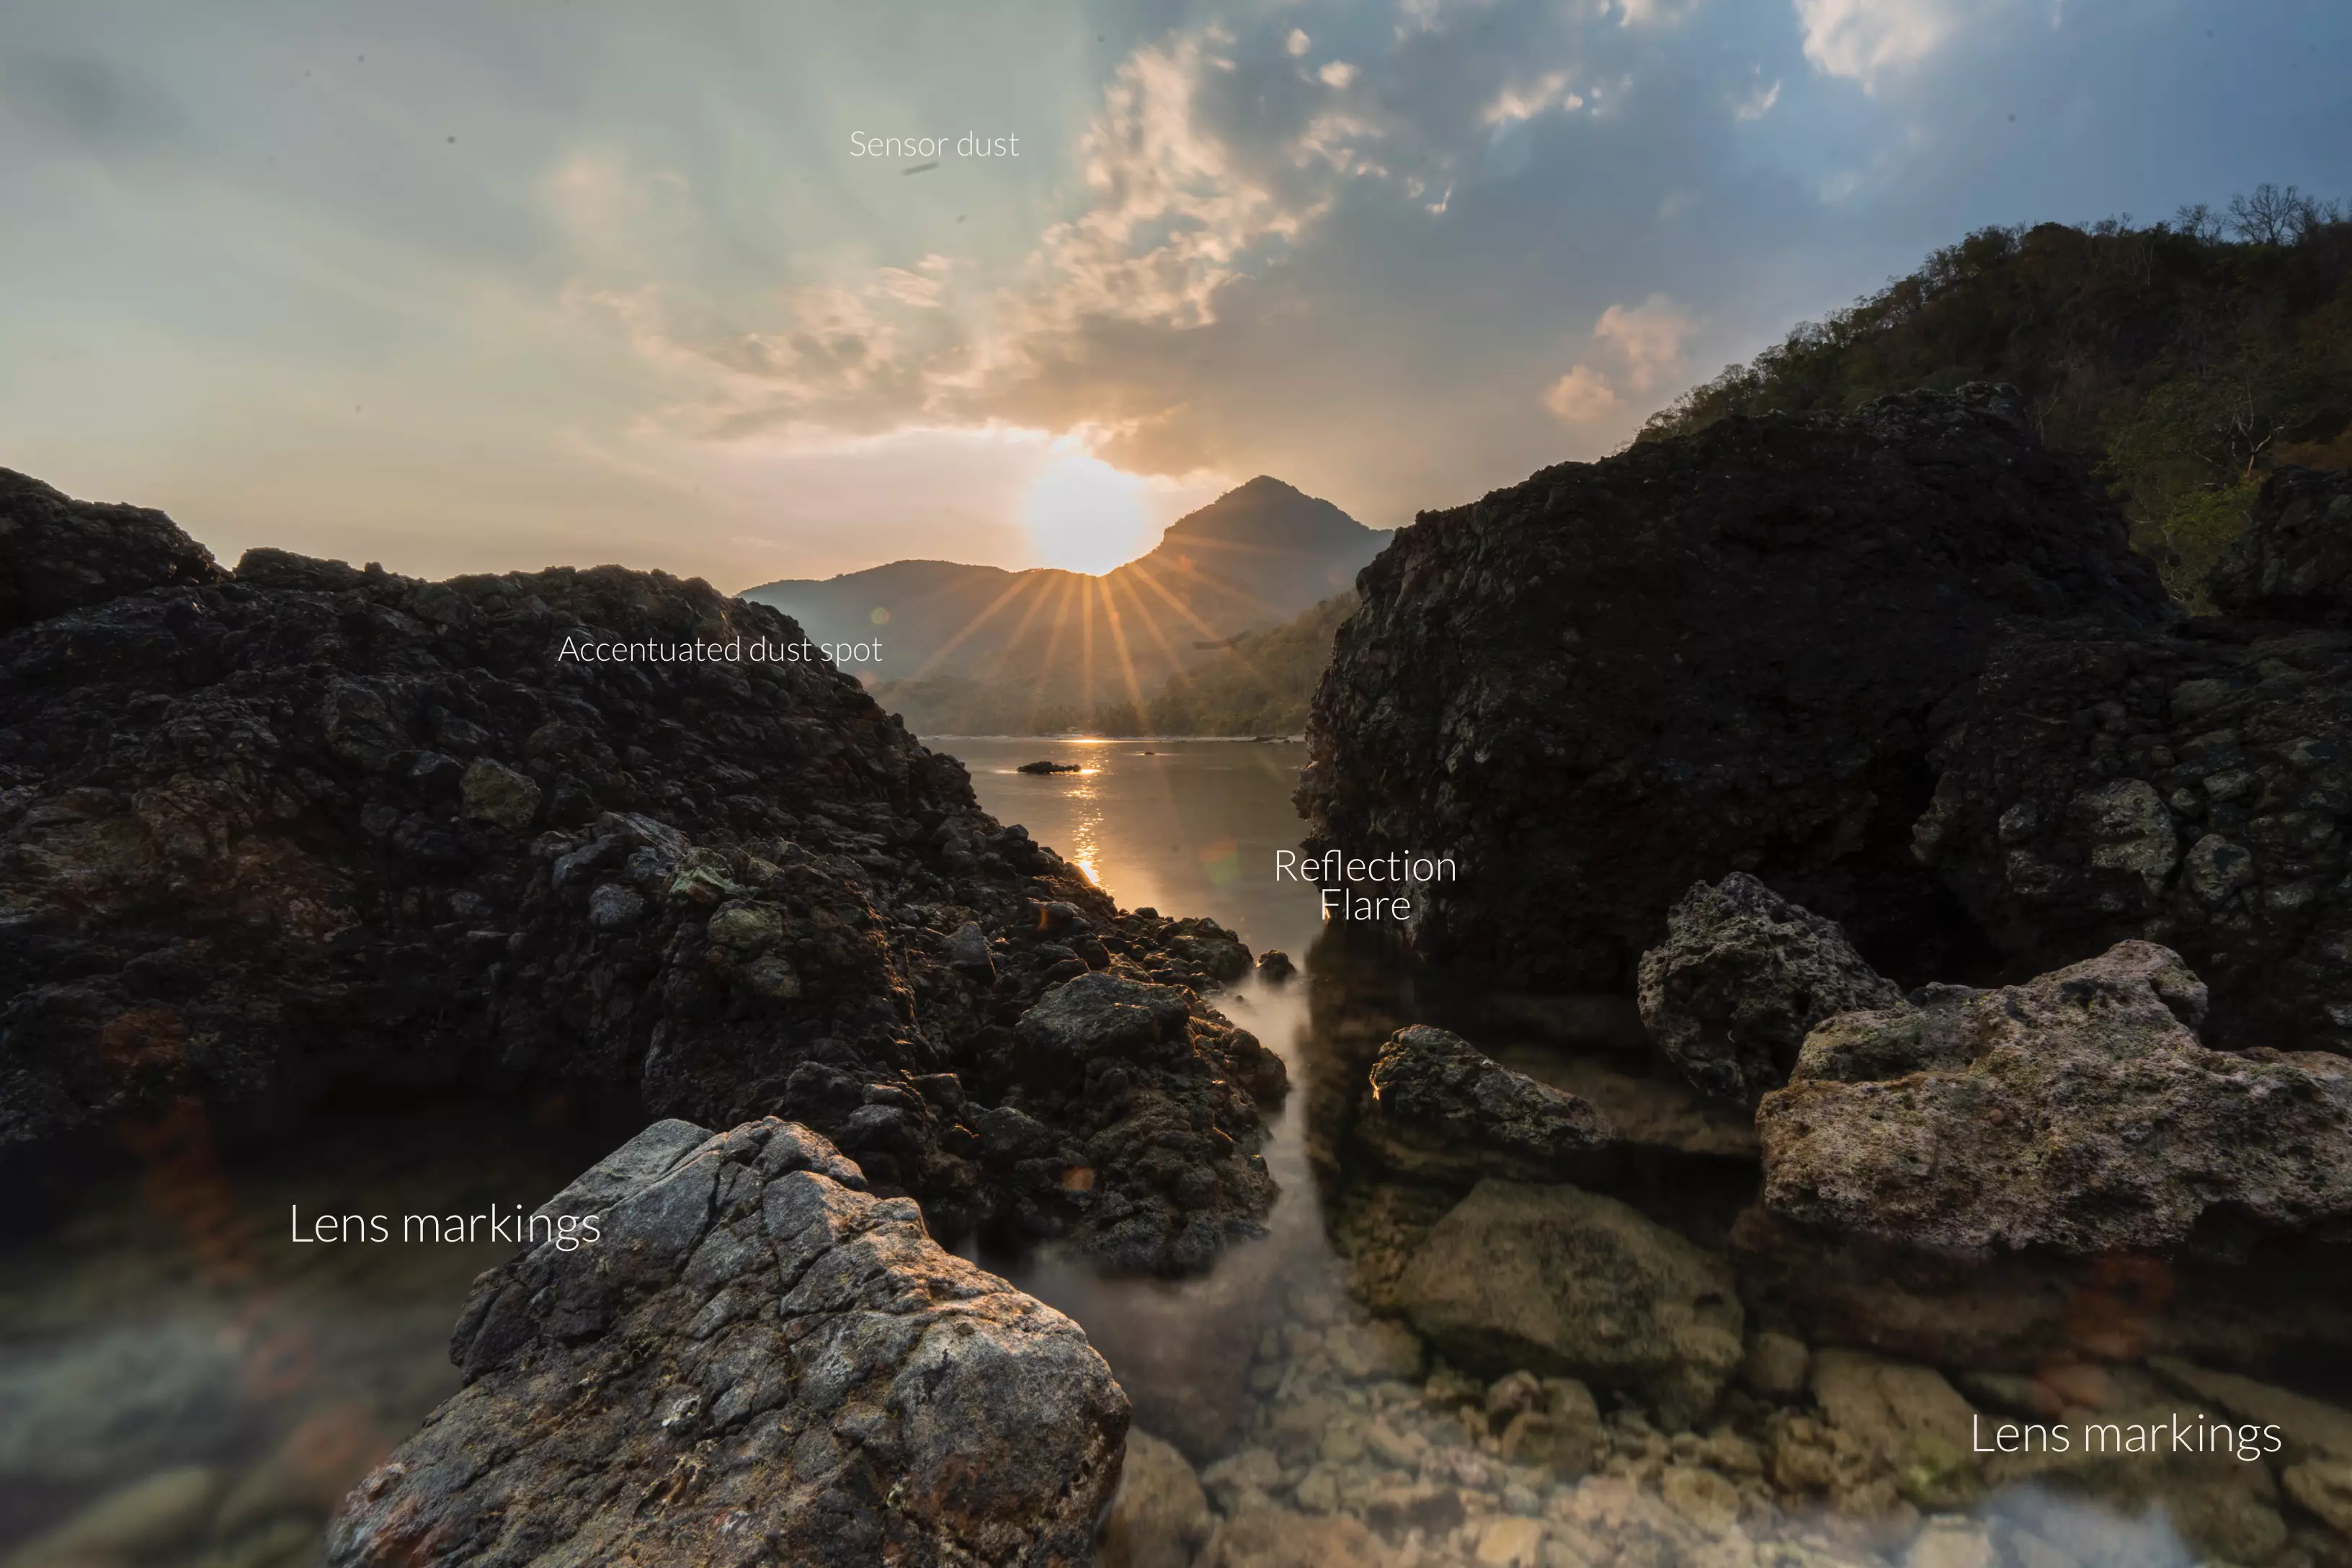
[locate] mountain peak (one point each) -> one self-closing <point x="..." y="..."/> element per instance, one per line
<point x="1268" y="514"/>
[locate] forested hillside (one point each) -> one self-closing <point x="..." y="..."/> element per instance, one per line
<point x="2183" y="358"/>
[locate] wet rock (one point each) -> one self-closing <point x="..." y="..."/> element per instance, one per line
<point x="1565" y="1281"/>
<point x="1776" y="1366"/>
<point x="2308" y="1427"/>
<point x="2022" y="1117"/>
<point x="1102" y="1014"/>
<point x="774" y="1356"/>
<point x="1952" y="1543"/>
<point x="1381" y="1350"/>
<point x="1274" y="966"/>
<point x="2294" y="562"/>
<point x="1440" y="1108"/>
<point x="1910" y="1422"/>
<point x="1264" y="1537"/>
<point x="2324" y="1486"/>
<point x="1707" y="1500"/>
<point x="2019" y="1311"/>
<point x="1704" y="654"/>
<point x="1160" y="1517"/>
<point x="1560" y="1431"/>
<point x="1511" y="1543"/>
<point x="266" y="834"/>
<point x="58" y="554"/>
<point x="162" y="1514"/>
<point x="2188" y="791"/>
<point x="1742" y="977"/>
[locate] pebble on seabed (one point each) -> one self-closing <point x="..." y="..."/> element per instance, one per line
<point x="1360" y="1459"/>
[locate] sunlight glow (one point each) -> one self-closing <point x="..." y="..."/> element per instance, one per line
<point x="1083" y="515"/>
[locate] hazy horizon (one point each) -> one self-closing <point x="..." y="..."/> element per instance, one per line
<point x="458" y="290"/>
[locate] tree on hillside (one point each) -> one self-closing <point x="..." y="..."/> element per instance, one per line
<point x="2182" y="358"/>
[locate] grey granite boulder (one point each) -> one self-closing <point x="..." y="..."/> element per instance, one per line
<point x="1742" y="977"/>
<point x="1440" y="1108"/>
<point x="755" y="1361"/>
<point x="2078" y="1111"/>
<point x="1554" y="1280"/>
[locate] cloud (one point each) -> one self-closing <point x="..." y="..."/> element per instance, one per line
<point x="1757" y="104"/>
<point x="648" y="241"/>
<point x="1526" y="100"/>
<point x="1649" y="337"/>
<point x="1868" y="40"/>
<point x="1582" y="397"/>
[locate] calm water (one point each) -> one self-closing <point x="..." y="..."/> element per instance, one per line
<point x="180" y="1385"/>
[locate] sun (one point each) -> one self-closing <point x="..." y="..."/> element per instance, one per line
<point x="1083" y="515"/>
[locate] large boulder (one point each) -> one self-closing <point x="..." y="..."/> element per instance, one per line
<point x="2294" y="560"/>
<point x="2079" y="1111"/>
<point x="753" y="1360"/>
<point x="2191" y="791"/>
<point x="315" y="825"/>
<point x="1441" y="1109"/>
<point x="1707" y="652"/>
<point x="1557" y="1280"/>
<point x="58" y="554"/>
<point x="1742" y="977"/>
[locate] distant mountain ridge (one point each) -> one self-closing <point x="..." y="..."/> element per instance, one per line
<point x="1254" y="558"/>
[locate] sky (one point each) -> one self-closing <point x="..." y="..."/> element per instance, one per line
<point x="480" y="287"/>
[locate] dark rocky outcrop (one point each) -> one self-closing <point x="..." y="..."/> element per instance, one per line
<point x="2079" y="1111"/>
<point x="2294" y="560"/>
<point x="756" y="1361"/>
<point x="2192" y="790"/>
<point x="1709" y="653"/>
<point x="58" y="554"/>
<point x="307" y="824"/>
<point x="1440" y="1109"/>
<point x="1742" y="977"/>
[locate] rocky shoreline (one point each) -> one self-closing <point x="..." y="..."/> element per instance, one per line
<point x="1972" y="932"/>
<point x="266" y="831"/>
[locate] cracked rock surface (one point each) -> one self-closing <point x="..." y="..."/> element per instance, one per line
<point x="1708" y="653"/>
<point x="1742" y="977"/>
<point x="2079" y="1111"/>
<point x="758" y="1362"/>
<point x="1441" y="1109"/>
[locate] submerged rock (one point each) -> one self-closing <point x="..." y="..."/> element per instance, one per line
<point x="756" y="1356"/>
<point x="1160" y="1518"/>
<point x="1440" y="1108"/>
<point x="1742" y="977"/>
<point x="300" y="825"/>
<point x="1710" y="652"/>
<point x="2078" y="1111"/>
<point x="1560" y="1280"/>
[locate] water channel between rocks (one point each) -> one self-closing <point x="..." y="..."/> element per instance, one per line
<point x="176" y="1376"/>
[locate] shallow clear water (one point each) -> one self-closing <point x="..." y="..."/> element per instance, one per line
<point x="1285" y="1378"/>
<point x="180" y="1382"/>
<point x="179" y="1385"/>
